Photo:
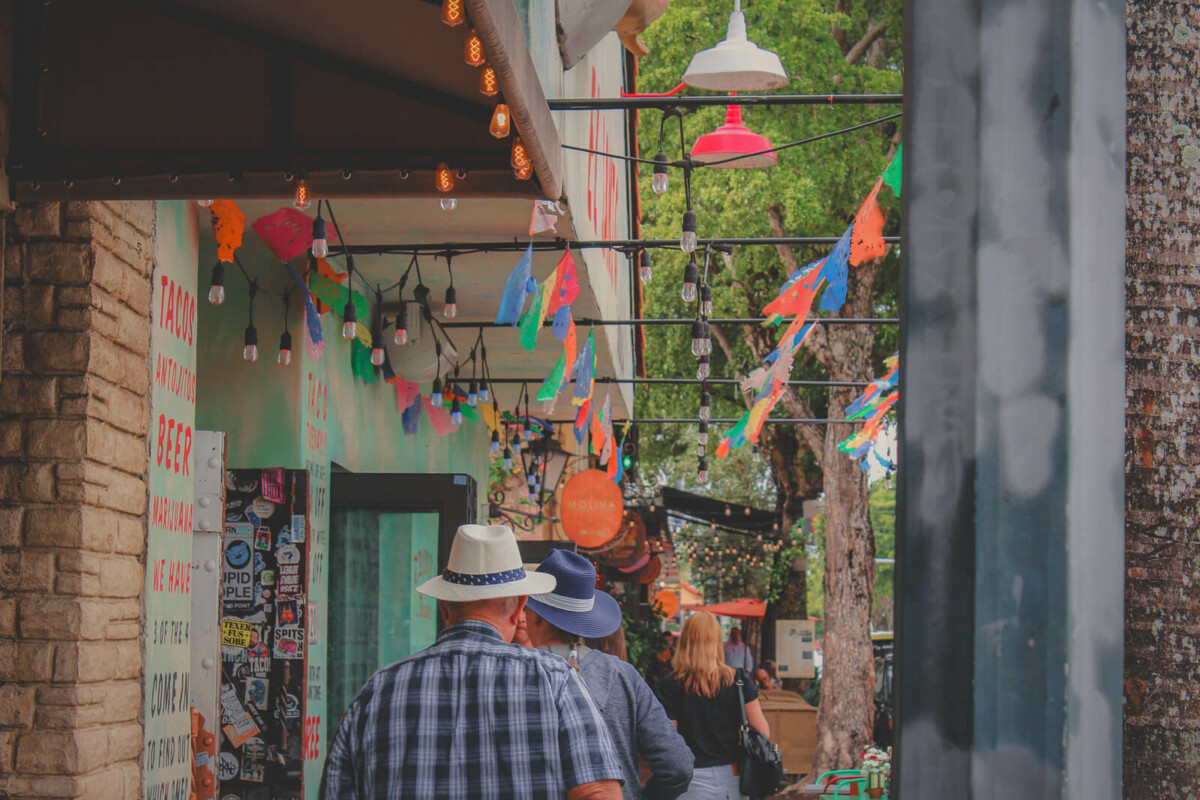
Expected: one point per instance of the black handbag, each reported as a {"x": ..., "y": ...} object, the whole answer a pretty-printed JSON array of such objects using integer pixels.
[{"x": 762, "y": 763}]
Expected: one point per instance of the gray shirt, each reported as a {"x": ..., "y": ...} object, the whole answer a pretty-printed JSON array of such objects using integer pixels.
[{"x": 638, "y": 725}]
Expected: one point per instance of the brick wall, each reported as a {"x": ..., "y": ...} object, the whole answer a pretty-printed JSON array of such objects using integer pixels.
[{"x": 74, "y": 411}]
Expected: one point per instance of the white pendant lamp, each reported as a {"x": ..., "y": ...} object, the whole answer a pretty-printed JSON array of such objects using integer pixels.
[{"x": 736, "y": 64}]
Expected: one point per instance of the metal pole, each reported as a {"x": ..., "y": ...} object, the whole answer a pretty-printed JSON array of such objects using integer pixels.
[
  {"x": 722, "y": 421},
  {"x": 632, "y": 103},
  {"x": 514, "y": 246},
  {"x": 690, "y": 382},
  {"x": 683, "y": 321}
]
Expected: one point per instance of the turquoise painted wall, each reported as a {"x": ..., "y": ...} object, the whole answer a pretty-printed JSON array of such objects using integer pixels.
[{"x": 314, "y": 415}]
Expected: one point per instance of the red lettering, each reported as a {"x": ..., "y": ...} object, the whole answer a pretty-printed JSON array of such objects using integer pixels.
[
  {"x": 162, "y": 427},
  {"x": 162, "y": 303},
  {"x": 187, "y": 451}
]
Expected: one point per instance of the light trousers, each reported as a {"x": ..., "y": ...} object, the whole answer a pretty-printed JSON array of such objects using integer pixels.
[{"x": 713, "y": 783}]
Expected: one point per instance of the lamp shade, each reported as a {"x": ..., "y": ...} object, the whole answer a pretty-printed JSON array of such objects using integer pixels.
[
  {"x": 735, "y": 64},
  {"x": 731, "y": 140}
]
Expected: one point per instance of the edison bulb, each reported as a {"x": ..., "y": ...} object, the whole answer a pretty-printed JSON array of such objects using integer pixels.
[
  {"x": 301, "y": 199},
  {"x": 501, "y": 122},
  {"x": 448, "y": 203},
  {"x": 216, "y": 294}
]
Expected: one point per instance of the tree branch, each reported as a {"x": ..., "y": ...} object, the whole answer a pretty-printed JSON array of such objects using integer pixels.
[
  {"x": 775, "y": 213},
  {"x": 874, "y": 31}
]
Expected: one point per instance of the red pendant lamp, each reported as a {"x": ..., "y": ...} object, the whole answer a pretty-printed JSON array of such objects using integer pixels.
[{"x": 734, "y": 139}]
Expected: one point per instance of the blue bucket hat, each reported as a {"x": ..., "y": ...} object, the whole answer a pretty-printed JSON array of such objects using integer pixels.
[{"x": 575, "y": 606}]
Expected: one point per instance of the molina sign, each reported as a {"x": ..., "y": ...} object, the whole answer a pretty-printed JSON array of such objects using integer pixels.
[{"x": 591, "y": 508}]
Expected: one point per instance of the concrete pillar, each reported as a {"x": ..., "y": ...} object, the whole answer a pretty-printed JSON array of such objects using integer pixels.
[
  {"x": 74, "y": 412},
  {"x": 1009, "y": 542}
]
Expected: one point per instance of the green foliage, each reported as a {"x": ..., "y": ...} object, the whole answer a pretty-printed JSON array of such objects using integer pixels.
[
  {"x": 818, "y": 186},
  {"x": 644, "y": 638}
]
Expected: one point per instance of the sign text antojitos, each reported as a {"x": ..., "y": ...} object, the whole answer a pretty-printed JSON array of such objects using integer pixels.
[{"x": 591, "y": 508}]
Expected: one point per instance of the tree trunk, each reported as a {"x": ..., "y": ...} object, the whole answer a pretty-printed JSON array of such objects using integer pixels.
[
  {"x": 847, "y": 711},
  {"x": 1162, "y": 418}
]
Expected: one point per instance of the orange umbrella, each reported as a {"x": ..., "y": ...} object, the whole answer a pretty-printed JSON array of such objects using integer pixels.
[{"x": 744, "y": 607}]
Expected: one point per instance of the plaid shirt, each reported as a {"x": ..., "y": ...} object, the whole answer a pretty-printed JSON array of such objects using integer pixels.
[{"x": 472, "y": 717}]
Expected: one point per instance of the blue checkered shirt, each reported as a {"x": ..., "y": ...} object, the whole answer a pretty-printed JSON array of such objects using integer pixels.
[{"x": 470, "y": 718}]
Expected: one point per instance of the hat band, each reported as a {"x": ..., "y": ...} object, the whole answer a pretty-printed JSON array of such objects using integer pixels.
[
  {"x": 488, "y": 579},
  {"x": 578, "y": 604}
]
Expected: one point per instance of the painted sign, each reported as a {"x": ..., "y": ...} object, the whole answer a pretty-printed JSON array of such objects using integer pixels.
[
  {"x": 315, "y": 532},
  {"x": 591, "y": 508},
  {"x": 666, "y": 603},
  {"x": 167, "y": 761}
]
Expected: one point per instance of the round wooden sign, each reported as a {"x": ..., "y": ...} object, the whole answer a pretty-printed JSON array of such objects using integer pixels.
[
  {"x": 667, "y": 603},
  {"x": 628, "y": 545},
  {"x": 591, "y": 508},
  {"x": 651, "y": 571}
]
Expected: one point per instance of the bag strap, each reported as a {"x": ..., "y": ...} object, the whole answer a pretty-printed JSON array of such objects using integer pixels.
[{"x": 742, "y": 702}]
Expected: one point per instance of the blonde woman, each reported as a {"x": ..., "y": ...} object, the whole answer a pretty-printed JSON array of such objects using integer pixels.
[{"x": 702, "y": 695}]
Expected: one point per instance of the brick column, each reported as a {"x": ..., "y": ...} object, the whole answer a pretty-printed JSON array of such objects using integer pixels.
[{"x": 74, "y": 412}]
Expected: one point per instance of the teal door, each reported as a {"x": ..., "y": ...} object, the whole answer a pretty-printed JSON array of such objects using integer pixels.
[{"x": 377, "y": 558}]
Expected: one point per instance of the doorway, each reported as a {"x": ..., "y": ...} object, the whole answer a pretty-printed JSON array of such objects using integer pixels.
[{"x": 388, "y": 534}]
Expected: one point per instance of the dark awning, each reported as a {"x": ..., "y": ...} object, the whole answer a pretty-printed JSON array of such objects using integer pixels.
[
  {"x": 157, "y": 99},
  {"x": 734, "y": 517}
]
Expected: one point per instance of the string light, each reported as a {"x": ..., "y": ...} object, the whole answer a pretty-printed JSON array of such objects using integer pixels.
[
  {"x": 646, "y": 271},
  {"x": 448, "y": 203},
  {"x": 501, "y": 122},
  {"x": 691, "y": 277},
  {"x": 495, "y": 445},
  {"x": 702, "y": 436},
  {"x": 456, "y": 414},
  {"x": 349, "y": 320},
  {"x": 435, "y": 397},
  {"x": 250, "y": 350},
  {"x": 473, "y": 394},
  {"x": 473, "y": 50},
  {"x": 377, "y": 354},
  {"x": 285, "y": 339},
  {"x": 659, "y": 183},
  {"x": 250, "y": 347},
  {"x": 687, "y": 240},
  {"x": 706, "y": 307},
  {"x": 450, "y": 308},
  {"x": 401, "y": 335},
  {"x": 519, "y": 157},
  {"x": 703, "y": 367},
  {"x": 705, "y": 404},
  {"x": 702, "y": 475},
  {"x": 216, "y": 291},
  {"x": 453, "y": 13},
  {"x": 444, "y": 179},
  {"x": 285, "y": 349},
  {"x": 204, "y": 203},
  {"x": 301, "y": 199},
  {"x": 524, "y": 173},
  {"x": 701, "y": 343},
  {"x": 488, "y": 84},
  {"x": 320, "y": 244}
]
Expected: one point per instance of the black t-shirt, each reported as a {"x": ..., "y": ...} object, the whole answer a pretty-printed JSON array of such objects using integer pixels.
[{"x": 709, "y": 725}]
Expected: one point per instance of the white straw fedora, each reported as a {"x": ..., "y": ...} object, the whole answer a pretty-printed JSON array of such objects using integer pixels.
[{"x": 484, "y": 563}]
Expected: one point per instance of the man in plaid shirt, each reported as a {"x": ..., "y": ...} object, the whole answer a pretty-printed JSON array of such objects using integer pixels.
[{"x": 474, "y": 717}]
